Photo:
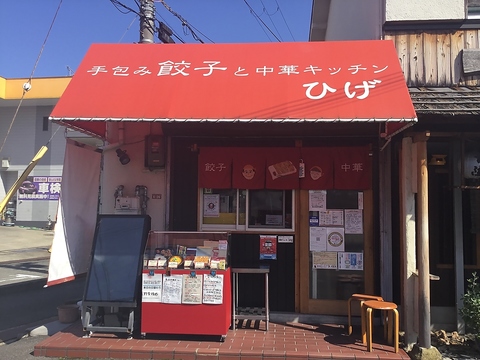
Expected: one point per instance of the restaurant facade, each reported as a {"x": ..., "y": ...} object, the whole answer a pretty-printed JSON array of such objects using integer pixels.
[{"x": 285, "y": 146}]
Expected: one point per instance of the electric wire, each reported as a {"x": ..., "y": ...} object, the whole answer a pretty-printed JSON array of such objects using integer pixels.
[
  {"x": 284, "y": 20},
  {"x": 174, "y": 33},
  {"x": 128, "y": 28},
  {"x": 26, "y": 87},
  {"x": 185, "y": 24},
  {"x": 270, "y": 17},
  {"x": 120, "y": 6},
  {"x": 258, "y": 17}
]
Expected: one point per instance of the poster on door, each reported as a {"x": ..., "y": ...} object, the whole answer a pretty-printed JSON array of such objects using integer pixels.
[
  {"x": 268, "y": 247},
  {"x": 335, "y": 239},
  {"x": 350, "y": 261},
  {"x": 211, "y": 205}
]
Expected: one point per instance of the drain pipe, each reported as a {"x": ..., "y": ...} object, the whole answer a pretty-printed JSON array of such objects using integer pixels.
[{"x": 121, "y": 138}]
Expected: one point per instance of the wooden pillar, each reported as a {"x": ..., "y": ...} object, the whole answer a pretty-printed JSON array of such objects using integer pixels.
[
  {"x": 424, "y": 339},
  {"x": 458, "y": 233},
  {"x": 385, "y": 195},
  {"x": 408, "y": 187}
]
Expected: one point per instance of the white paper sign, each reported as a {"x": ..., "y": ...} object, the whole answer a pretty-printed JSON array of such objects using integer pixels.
[
  {"x": 192, "y": 289},
  {"x": 285, "y": 239},
  {"x": 317, "y": 200},
  {"x": 172, "y": 289},
  {"x": 213, "y": 289},
  {"x": 211, "y": 207},
  {"x": 318, "y": 239},
  {"x": 330, "y": 217},
  {"x": 353, "y": 221},
  {"x": 151, "y": 288}
]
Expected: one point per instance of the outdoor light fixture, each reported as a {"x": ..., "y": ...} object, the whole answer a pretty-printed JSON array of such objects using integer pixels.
[
  {"x": 438, "y": 160},
  {"x": 122, "y": 156}
]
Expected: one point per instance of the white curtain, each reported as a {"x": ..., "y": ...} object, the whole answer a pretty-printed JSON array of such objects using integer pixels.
[{"x": 77, "y": 214}]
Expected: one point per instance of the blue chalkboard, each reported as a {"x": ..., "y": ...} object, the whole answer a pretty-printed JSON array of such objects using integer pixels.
[{"x": 116, "y": 258}]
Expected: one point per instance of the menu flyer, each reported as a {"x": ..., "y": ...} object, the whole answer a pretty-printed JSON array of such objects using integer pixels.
[
  {"x": 213, "y": 289},
  {"x": 192, "y": 289},
  {"x": 172, "y": 289}
]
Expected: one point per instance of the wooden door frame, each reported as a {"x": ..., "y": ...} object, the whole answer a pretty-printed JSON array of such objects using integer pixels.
[{"x": 302, "y": 260}]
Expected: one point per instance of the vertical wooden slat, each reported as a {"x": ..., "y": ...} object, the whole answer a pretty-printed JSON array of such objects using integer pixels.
[
  {"x": 444, "y": 60},
  {"x": 457, "y": 44},
  {"x": 430, "y": 57},
  {"x": 416, "y": 41},
  {"x": 471, "y": 42},
  {"x": 402, "y": 50}
]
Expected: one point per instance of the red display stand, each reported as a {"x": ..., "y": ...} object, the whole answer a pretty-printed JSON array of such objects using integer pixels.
[{"x": 189, "y": 319}]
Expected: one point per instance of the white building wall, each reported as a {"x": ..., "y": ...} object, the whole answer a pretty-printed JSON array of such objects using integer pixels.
[
  {"x": 414, "y": 10},
  {"x": 132, "y": 174},
  {"x": 24, "y": 139}
]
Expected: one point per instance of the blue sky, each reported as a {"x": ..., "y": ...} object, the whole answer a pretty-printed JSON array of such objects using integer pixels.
[{"x": 79, "y": 23}]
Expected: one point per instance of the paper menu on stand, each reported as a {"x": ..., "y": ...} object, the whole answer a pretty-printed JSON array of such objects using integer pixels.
[
  {"x": 192, "y": 289},
  {"x": 213, "y": 289},
  {"x": 172, "y": 289}
]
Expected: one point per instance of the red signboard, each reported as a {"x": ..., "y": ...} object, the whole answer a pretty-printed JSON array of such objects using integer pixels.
[{"x": 301, "y": 81}]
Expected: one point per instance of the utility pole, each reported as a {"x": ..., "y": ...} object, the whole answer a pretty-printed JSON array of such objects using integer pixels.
[{"x": 147, "y": 21}]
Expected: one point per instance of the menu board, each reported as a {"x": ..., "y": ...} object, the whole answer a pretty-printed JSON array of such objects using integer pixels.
[
  {"x": 172, "y": 289},
  {"x": 213, "y": 289},
  {"x": 192, "y": 289}
]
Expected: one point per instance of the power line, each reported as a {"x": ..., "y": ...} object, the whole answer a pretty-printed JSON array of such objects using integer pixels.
[
  {"x": 185, "y": 23},
  {"x": 270, "y": 17},
  {"x": 28, "y": 85},
  {"x": 285, "y": 21},
  {"x": 120, "y": 7},
  {"x": 258, "y": 17},
  {"x": 128, "y": 28},
  {"x": 171, "y": 28}
]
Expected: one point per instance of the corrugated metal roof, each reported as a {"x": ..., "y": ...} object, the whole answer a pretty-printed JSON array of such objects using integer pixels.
[{"x": 446, "y": 101}]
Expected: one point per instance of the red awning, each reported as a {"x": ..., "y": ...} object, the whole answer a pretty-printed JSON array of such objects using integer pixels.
[{"x": 285, "y": 82}]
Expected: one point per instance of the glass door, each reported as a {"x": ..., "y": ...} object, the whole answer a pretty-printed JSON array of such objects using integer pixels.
[{"x": 333, "y": 249}]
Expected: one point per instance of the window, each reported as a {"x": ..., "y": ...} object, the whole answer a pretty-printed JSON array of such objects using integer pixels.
[
  {"x": 227, "y": 209},
  {"x": 270, "y": 208},
  {"x": 473, "y": 9},
  {"x": 45, "y": 123}
]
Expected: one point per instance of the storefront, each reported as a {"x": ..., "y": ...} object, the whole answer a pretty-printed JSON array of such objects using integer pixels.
[{"x": 277, "y": 144}]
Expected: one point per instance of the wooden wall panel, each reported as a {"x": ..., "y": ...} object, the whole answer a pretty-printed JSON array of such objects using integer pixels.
[{"x": 434, "y": 58}]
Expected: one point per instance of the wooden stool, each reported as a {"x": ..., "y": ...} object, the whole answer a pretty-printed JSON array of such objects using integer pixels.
[
  {"x": 361, "y": 298},
  {"x": 391, "y": 325}
]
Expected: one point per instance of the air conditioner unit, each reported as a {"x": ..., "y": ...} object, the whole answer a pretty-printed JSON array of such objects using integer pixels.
[{"x": 5, "y": 163}]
